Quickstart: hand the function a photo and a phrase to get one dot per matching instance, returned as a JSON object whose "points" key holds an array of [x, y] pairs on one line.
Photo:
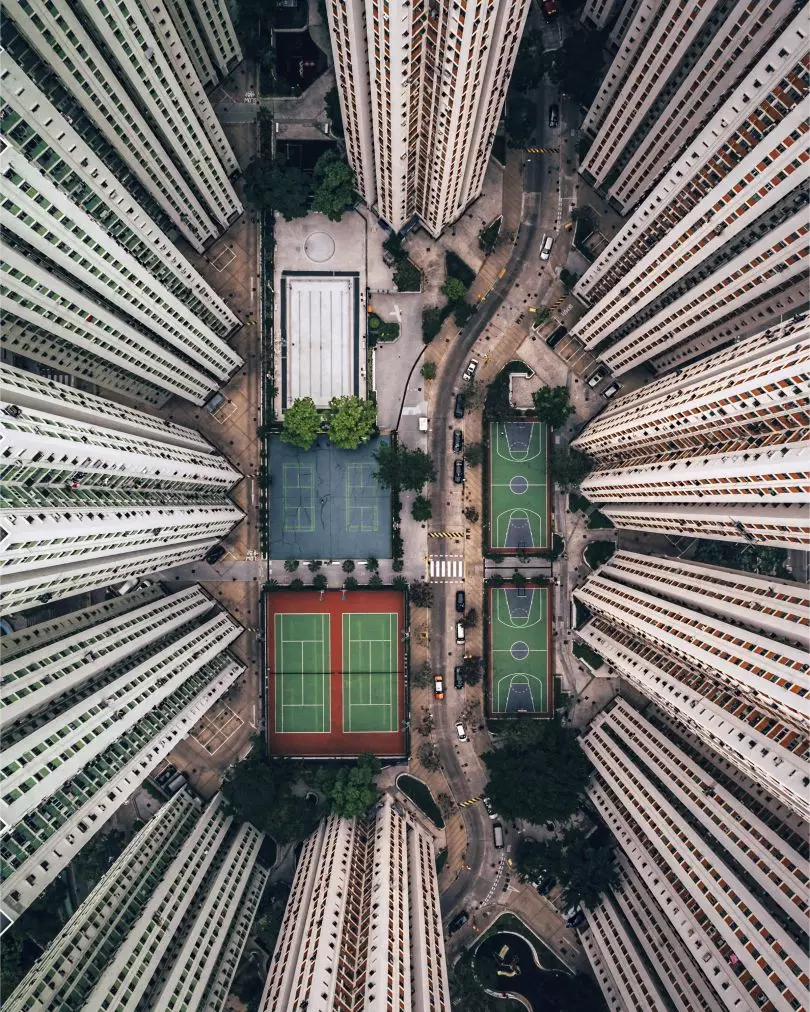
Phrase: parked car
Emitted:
{"points": [[490, 810], [469, 372], [438, 687], [546, 886], [458, 409], [597, 378], [462, 734], [576, 921], [214, 554], [458, 678], [459, 632], [458, 471], [458, 441], [556, 336], [611, 391], [553, 116], [545, 249], [458, 922], [461, 601]]}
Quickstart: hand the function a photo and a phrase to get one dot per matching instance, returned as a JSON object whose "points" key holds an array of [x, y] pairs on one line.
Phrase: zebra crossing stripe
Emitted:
{"points": [[471, 801], [445, 534]]}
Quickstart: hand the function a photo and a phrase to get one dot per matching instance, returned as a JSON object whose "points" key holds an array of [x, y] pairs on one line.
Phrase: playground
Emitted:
{"points": [[519, 650], [336, 663], [518, 487]]}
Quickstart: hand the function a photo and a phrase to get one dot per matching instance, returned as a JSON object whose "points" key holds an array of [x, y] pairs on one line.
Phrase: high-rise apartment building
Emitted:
{"points": [[717, 449], [363, 926], [719, 247], [422, 85], [720, 650], [93, 492], [676, 64], [165, 926], [88, 709], [111, 149], [711, 910]]}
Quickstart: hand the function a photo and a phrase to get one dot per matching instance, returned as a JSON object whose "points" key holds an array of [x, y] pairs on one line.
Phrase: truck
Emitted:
{"points": [[497, 835]]}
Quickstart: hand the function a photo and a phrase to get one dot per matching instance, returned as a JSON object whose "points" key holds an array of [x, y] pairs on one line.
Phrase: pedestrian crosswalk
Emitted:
{"points": [[445, 568], [471, 801]]}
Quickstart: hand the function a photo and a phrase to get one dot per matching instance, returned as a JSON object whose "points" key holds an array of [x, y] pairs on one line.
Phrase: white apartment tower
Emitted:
{"points": [[188, 885], [676, 63], [93, 492], [719, 247], [110, 151], [711, 911], [363, 926], [722, 651], [717, 449], [88, 715], [422, 84]]}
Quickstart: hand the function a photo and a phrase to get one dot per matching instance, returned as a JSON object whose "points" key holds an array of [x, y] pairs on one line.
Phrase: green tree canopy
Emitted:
{"points": [[351, 421], [302, 423], [553, 405], [422, 676], [454, 289], [520, 785], [568, 466], [585, 870], [259, 790], [520, 118], [577, 66], [402, 468], [421, 508], [351, 789], [335, 185], [429, 370], [275, 186], [473, 454], [421, 594]]}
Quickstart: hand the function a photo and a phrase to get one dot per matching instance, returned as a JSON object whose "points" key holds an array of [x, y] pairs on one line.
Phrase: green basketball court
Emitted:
{"points": [[519, 641], [518, 487], [370, 652], [302, 666]]}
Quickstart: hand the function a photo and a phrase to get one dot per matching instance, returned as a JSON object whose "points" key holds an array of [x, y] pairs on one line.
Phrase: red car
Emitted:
{"points": [[550, 8]]}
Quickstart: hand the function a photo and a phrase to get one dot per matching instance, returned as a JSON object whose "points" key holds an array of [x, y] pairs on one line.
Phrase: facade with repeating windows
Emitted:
{"points": [[722, 651], [165, 926], [422, 87], [711, 910], [716, 450], [88, 716], [720, 245], [674, 68], [363, 924]]}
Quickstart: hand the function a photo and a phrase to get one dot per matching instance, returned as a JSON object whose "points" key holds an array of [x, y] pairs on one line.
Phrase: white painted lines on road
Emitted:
{"points": [[445, 568]]}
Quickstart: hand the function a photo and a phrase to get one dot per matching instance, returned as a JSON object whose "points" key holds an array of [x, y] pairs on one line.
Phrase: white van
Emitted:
{"points": [[462, 734], [459, 632], [545, 249]]}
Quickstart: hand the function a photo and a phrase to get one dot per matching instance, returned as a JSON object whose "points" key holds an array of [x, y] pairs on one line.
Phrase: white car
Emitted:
{"points": [[469, 372], [597, 378], [545, 249], [462, 734]]}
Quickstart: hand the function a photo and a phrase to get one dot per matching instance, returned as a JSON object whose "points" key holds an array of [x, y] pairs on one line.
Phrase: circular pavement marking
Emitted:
{"points": [[519, 484], [519, 650], [319, 247]]}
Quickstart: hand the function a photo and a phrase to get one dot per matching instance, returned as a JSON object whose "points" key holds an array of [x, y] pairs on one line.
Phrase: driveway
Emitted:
{"points": [[393, 361]]}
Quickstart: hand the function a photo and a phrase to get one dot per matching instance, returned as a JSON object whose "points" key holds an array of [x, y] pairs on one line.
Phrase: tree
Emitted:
{"points": [[291, 565], [465, 991], [422, 677], [350, 583], [319, 582], [372, 564], [302, 423], [296, 584], [751, 558], [584, 870], [553, 405], [351, 421], [353, 791], [429, 370], [496, 580], [519, 784], [471, 670], [428, 755], [399, 582], [473, 454], [335, 188], [314, 565], [568, 466], [568, 278], [421, 595], [518, 578], [472, 514], [497, 406], [520, 119], [446, 805], [403, 468], [471, 619], [577, 68], [407, 276], [454, 289], [432, 320], [462, 311], [259, 790], [274, 186], [348, 566], [421, 508], [375, 580]]}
